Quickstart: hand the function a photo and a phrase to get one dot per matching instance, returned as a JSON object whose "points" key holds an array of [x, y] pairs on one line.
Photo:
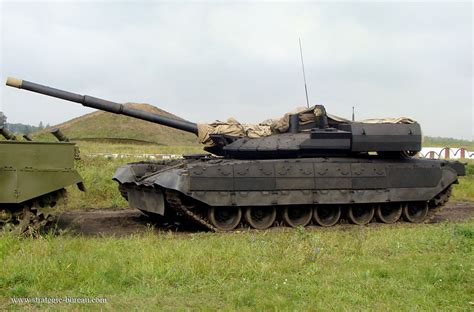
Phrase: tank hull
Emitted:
{"points": [[333, 182]]}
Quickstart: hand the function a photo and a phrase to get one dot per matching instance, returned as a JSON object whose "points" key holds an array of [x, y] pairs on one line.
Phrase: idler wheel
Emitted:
{"points": [[225, 218], [326, 215], [260, 218], [359, 214], [415, 212], [297, 215], [388, 213]]}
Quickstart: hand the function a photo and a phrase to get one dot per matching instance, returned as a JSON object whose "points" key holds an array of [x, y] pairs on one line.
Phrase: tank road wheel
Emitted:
{"points": [[297, 215], [260, 218], [415, 212], [359, 214], [388, 213], [326, 215], [225, 218]]}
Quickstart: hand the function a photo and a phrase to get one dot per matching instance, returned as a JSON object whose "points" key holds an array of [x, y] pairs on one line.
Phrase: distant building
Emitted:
{"points": [[3, 119]]}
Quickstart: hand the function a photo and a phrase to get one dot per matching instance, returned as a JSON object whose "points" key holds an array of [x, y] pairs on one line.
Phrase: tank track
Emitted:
{"points": [[190, 211], [176, 203], [437, 204], [31, 217]]}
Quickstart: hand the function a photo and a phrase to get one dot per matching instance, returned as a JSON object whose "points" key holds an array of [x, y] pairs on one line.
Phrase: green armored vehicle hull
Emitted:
{"points": [[33, 176]]}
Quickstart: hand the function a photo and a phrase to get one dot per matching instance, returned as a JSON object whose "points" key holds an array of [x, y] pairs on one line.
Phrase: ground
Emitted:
{"points": [[122, 222]]}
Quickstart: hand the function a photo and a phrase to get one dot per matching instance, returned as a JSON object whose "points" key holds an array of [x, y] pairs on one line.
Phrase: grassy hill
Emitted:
{"points": [[104, 126]]}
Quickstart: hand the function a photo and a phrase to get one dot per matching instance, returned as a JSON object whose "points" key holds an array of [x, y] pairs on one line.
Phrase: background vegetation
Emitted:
{"points": [[448, 142], [23, 129]]}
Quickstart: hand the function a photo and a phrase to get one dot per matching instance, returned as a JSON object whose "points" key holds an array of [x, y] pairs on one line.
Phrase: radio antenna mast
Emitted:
{"points": [[304, 75]]}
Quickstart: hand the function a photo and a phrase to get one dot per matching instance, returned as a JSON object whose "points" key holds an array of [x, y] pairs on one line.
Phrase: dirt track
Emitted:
{"points": [[125, 222]]}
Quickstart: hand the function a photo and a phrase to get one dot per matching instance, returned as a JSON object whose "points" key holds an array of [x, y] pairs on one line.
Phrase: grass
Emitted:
{"points": [[102, 192], [464, 191], [403, 267]]}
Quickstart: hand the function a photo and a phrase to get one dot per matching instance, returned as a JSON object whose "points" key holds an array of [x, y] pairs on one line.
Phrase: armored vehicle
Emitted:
{"points": [[307, 167], [33, 177]]}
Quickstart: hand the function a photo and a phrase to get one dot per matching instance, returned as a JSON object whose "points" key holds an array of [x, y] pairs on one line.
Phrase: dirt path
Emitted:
{"points": [[126, 222]]}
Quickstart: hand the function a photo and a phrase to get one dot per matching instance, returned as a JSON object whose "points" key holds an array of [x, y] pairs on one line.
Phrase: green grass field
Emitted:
{"points": [[404, 267]]}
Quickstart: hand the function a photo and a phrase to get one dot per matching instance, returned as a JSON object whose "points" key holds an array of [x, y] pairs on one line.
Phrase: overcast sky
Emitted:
{"points": [[207, 61]]}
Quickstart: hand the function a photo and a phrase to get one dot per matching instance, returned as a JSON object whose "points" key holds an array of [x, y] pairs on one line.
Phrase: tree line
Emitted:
{"points": [[19, 127]]}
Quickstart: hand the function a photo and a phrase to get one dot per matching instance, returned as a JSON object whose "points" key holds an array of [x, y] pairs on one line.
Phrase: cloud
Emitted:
{"points": [[212, 61]]}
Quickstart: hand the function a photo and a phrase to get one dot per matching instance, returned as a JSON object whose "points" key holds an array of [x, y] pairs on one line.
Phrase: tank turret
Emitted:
{"points": [[317, 136]]}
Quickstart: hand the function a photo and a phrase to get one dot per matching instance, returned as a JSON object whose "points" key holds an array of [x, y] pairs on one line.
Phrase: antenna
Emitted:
{"points": [[304, 75], [353, 114]]}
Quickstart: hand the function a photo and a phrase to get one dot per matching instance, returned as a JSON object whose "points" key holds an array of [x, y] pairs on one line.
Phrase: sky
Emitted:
{"points": [[213, 60]]}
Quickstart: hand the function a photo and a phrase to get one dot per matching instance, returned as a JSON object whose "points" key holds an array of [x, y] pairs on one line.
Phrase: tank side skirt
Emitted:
{"points": [[286, 183]]}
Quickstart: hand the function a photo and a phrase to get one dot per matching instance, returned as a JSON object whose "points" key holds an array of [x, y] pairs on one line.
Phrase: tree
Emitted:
{"points": [[41, 126], [3, 120]]}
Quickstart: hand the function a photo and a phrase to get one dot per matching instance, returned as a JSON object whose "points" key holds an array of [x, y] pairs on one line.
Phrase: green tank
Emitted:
{"points": [[33, 177]]}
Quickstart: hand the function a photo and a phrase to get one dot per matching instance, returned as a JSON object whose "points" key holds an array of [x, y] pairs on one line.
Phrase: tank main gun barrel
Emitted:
{"points": [[101, 104]]}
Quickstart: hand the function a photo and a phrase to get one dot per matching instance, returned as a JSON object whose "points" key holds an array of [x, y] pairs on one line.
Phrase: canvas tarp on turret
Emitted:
{"points": [[273, 126], [270, 126]]}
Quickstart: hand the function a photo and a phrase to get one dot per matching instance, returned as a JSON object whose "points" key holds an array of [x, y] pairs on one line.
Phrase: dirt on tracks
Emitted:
{"points": [[127, 221]]}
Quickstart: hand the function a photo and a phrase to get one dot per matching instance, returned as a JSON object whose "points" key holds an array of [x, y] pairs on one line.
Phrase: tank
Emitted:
{"points": [[33, 178], [307, 168]]}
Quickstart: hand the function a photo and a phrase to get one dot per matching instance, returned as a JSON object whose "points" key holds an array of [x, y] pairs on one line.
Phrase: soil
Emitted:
{"points": [[126, 221]]}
